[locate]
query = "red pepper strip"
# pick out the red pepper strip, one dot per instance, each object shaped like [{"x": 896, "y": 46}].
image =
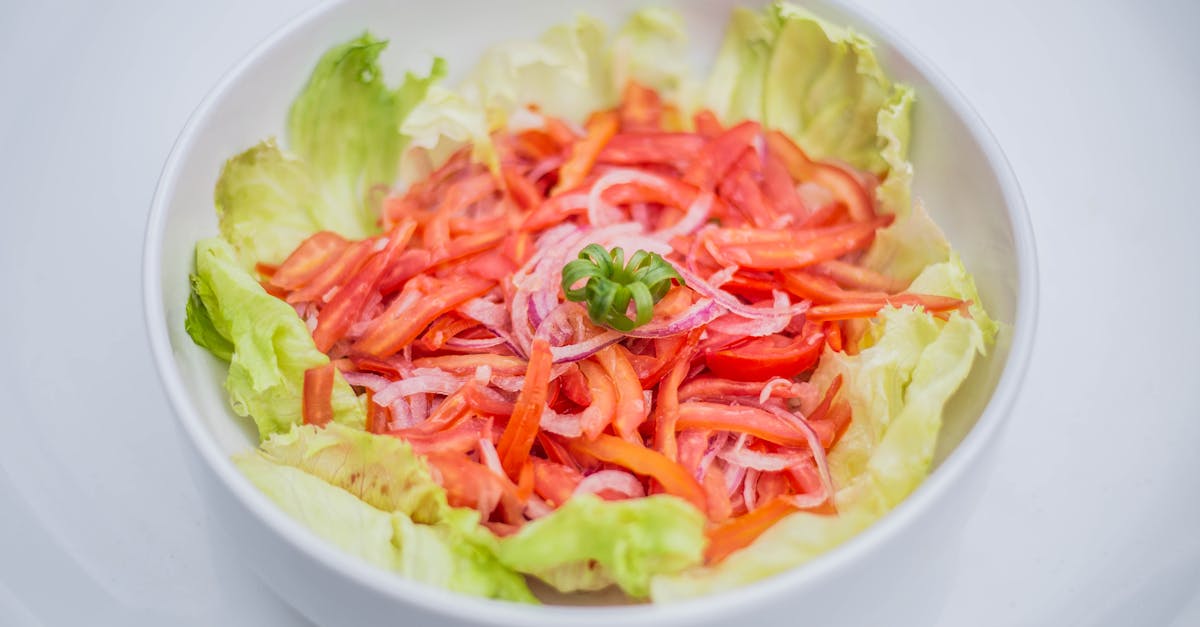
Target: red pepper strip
[
  {"x": 665, "y": 352},
  {"x": 707, "y": 124},
  {"x": 556, "y": 452},
  {"x": 461, "y": 364},
  {"x": 378, "y": 416},
  {"x": 740, "y": 532},
  {"x": 460, "y": 438},
  {"x": 534, "y": 144},
  {"x": 555, "y": 483},
  {"x": 779, "y": 190},
  {"x": 800, "y": 253},
  {"x": 867, "y": 309},
  {"x": 521, "y": 189},
  {"x": 752, "y": 287},
  {"x": 377, "y": 366},
  {"x": 822, "y": 290},
  {"x": 465, "y": 245},
  {"x": 641, "y": 109},
  {"x": 741, "y": 191},
  {"x": 823, "y": 216},
  {"x": 333, "y": 273},
  {"x": 646, "y": 462},
  {"x": 487, "y": 404},
  {"x": 600, "y": 129},
  {"x": 409, "y": 264},
  {"x": 317, "y": 401},
  {"x": 525, "y": 481},
  {"x": 739, "y": 419},
  {"x": 459, "y": 195},
  {"x": 631, "y": 404},
  {"x": 673, "y": 149},
  {"x": 844, "y": 186},
  {"x": 313, "y": 254},
  {"x": 603, "y": 408},
  {"x": 279, "y": 293},
  {"x": 443, "y": 329},
  {"x": 666, "y": 410},
  {"x": 711, "y": 387},
  {"x": 265, "y": 270},
  {"x": 858, "y": 277},
  {"x": 720, "y": 508},
  {"x": 335, "y": 319},
  {"x": 522, "y": 428},
  {"x": 720, "y": 154},
  {"x": 398, "y": 328},
  {"x": 833, "y": 335}
]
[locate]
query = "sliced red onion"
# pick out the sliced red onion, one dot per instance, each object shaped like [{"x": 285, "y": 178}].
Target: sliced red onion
[
  {"x": 401, "y": 414},
  {"x": 807, "y": 501},
  {"x": 617, "y": 481},
  {"x": 546, "y": 166},
  {"x": 566, "y": 425},
  {"x": 509, "y": 383},
  {"x": 698, "y": 314},
  {"x": 536, "y": 508},
  {"x": 473, "y": 345},
  {"x": 444, "y": 385},
  {"x": 814, "y": 443},
  {"x": 584, "y": 349},
  {"x": 640, "y": 212},
  {"x": 769, "y": 386},
  {"x": 731, "y": 302},
  {"x": 483, "y": 375},
  {"x": 418, "y": 407},
  {"x": 520, "y": 321},
  {"x": 489, "y": 457},
  {"x": 750, "y": 489},
  {"x": 738, "y": 454},
  {"x": 367, "y": 380},
  {"x": 694, "y": 218},
  {"x": 599, "y": 212},
  {"x": 714, "y": 446},
  {"x": 734, "y": 475}
]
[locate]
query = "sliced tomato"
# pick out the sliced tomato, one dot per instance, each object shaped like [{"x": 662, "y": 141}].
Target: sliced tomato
[
  {"x": 717, "y": 158},
  {"x": 762, "y": 358},
  {"x": 646, "y": 462},
  {"x": 555, "y": 483},
  {"x": 317, "y": 400},
  {"x": 473, "y": 485},
  {"x": 378, "y": 416}
]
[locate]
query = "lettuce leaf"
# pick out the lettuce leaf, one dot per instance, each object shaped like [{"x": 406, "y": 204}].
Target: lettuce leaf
[
  {"x": 589, "y": 543},
  {"x": 651, "y": 48},
  {"x": 199, "y": 325},
  {"x": 431, "y": 554},
  {"x": 566, "y": 72},
  {"x": 441, "y": 124},
  {"x": 271, "y": 346},
  {"x": 345, "y": 126},
  {"x": 382, "y": 471},
  {"x": 734, "y": 90},
  {"x": 898, "y": 386}
]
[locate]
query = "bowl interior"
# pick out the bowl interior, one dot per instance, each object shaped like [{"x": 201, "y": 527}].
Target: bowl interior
[{"x": 956, "y": 172}]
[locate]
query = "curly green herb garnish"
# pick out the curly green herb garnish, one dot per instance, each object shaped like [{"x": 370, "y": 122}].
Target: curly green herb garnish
[{"x": 612, "y": 284}]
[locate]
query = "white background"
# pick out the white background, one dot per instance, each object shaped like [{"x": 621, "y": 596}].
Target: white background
[{"x": 1091, "y": 516}]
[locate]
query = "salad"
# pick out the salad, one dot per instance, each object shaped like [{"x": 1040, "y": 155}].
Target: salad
[{"x": 584, "y": 317}]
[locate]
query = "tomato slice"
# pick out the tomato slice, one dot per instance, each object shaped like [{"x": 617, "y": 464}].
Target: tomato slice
[
  {"x": 317, "y": 402},
  {"x": 761, "y": 358},
  {"x": 555, "y": 483}
]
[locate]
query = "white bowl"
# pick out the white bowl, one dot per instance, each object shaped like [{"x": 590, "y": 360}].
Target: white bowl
[{"x": 892, "y": 573}]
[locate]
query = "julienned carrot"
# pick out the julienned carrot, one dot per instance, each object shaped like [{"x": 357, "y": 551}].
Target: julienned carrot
[
  {"x": 738, "y": 533},
  {"x": 522, "y": 427},
  {"x": 600, "y": 128},
  {"x": 647, "y": 462}
]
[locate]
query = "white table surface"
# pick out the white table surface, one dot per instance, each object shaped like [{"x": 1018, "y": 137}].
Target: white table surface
[{"x": 1091, "y": 517}]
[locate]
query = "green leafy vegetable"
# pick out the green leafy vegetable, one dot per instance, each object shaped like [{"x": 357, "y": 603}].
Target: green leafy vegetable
[
  {"x": 589, "y": 543},
  {"x": 345, "y": 126},
  {"x": 271, "y": 346},
  {"x": 199, "y": 324},
  {"x": 612, "y": 284},
  {"x": 433, "y": 554},
  {"x": 651, "y": 49}
]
